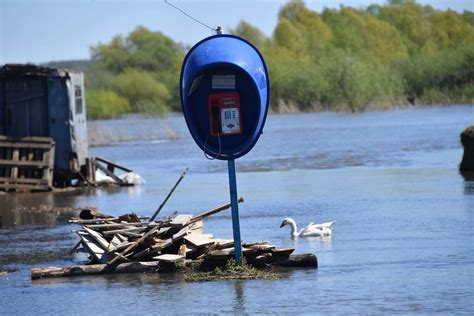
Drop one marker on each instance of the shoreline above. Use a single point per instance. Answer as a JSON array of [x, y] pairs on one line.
[[157, 128]]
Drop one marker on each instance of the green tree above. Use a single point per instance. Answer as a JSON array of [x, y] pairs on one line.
[[287, 38], [143, 52], [362, 34], [142, 91], [251, 34], [312, 34], [142, 49], [450, 29], [468, 16], [411, 19]]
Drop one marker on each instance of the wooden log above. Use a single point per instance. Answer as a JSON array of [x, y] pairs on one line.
[[212, 212], [104, 221], [94, 269], [165, 263], [79, 221], [152, 218], [306, 260], [106, 226], [124, 230]]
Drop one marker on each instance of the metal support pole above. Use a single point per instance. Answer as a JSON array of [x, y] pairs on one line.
[[235, 211]]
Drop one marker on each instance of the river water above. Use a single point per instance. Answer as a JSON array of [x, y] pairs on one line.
[[403, 241]]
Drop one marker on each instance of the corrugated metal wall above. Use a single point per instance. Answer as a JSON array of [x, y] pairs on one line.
[[26, 107]]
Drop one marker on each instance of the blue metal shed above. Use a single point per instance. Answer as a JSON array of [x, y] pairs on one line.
[[48, 102]]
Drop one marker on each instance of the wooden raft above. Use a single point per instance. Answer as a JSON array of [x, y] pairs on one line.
[[26, 164]]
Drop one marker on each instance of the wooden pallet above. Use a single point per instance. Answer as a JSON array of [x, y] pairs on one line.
[[26, 164]]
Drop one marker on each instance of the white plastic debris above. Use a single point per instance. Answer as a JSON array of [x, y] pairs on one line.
[[132, 178]]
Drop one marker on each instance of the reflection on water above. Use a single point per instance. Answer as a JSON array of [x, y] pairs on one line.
[[239, 301], [52, 208], [35, 208], [469, 187]]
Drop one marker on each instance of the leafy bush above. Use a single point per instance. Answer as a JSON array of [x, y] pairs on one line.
[[103, 104], [444, 70]]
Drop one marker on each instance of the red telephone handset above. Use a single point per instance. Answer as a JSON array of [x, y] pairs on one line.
[[224, 114]]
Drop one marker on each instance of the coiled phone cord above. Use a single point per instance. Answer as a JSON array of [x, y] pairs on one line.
[[220, 148]]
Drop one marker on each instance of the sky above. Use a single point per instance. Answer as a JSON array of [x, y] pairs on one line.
[[53, 30]]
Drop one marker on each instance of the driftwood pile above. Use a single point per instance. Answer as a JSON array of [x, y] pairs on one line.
[[176, 243]]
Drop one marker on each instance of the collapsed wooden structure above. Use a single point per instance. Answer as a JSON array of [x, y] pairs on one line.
[[176, 243], [108, 167], [26, 163]]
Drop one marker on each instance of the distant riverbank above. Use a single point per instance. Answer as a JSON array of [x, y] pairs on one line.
[[167, 127]]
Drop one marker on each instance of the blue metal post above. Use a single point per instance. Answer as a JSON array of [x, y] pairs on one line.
[[235, 211]]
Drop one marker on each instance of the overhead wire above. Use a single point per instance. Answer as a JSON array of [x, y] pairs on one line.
[[217, 29]]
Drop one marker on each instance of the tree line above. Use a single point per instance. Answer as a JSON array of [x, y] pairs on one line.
[[340, 59]]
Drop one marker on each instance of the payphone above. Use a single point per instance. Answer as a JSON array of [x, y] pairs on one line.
[[224, 114], [224, 89]]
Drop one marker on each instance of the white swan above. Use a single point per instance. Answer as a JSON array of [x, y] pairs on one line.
[[312, 230]]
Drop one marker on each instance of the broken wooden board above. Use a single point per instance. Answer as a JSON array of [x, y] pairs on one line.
[[179, 235], [226, 252], [200, 240], [133, 230], [168, 257], [263, 242], [119, 247], [223, 243], [169, 262], [197, 227], [283, 251], [116, 241], [93, 247], [181, 220], [162, 243], [98, 237]]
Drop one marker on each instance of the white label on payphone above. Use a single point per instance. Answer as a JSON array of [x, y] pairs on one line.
[[230, 120]]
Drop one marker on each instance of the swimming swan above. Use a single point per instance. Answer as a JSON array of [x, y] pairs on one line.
[[312, 230]]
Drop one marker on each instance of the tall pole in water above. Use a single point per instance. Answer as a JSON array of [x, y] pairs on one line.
[[235, 211]]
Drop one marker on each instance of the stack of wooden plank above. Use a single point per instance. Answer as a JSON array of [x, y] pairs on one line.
[[176, 243], [112, 241]]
